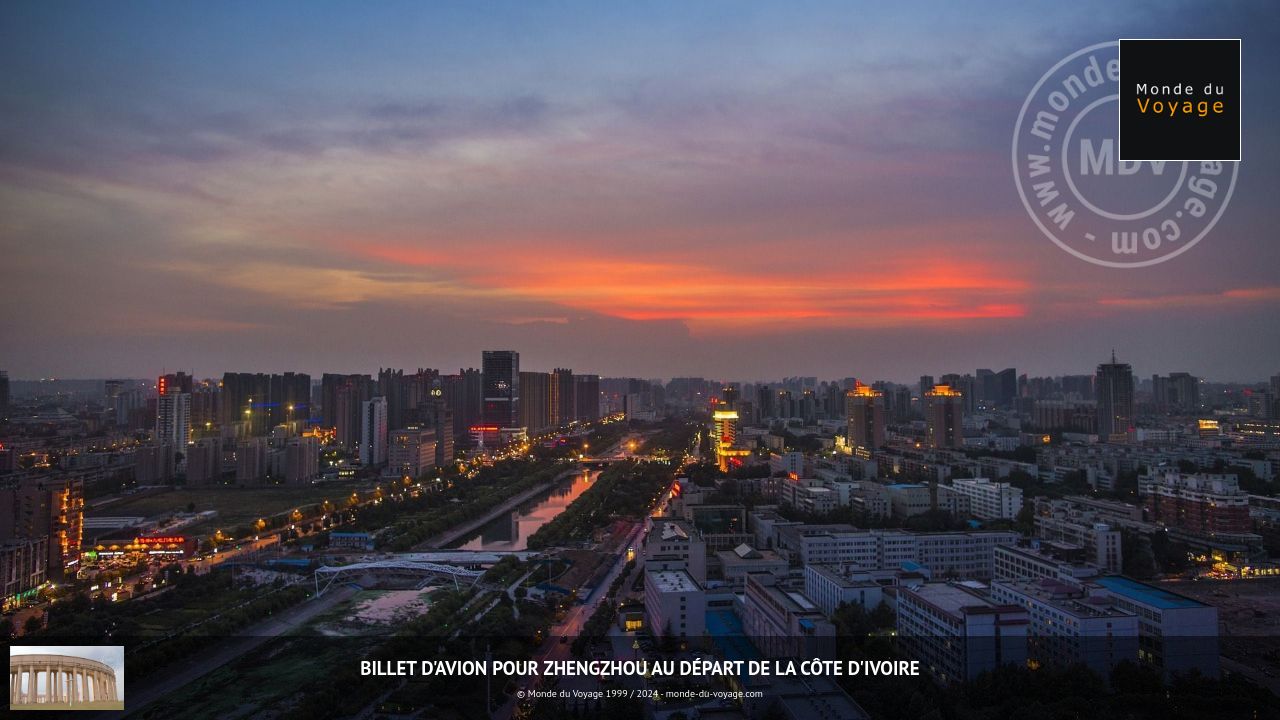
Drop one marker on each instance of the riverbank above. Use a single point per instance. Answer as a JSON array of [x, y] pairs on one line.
[[471, 527]]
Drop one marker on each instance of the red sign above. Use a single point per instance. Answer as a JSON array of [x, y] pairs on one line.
[[162, 540]]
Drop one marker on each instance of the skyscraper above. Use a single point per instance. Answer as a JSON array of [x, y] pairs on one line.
[[586, 397], [535, 401], [462, 395], [4, 389], [342, 398], [262, 401], [392, 386], [1114, 390], [561, 397], [1273, 412], [173, 417], [1177, 393], [865, 408], [944, 415], [500, 370], [373, 432]]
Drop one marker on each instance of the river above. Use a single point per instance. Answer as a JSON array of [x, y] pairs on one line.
[[512, 531]]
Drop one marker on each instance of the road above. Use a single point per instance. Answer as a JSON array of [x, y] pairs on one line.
[[180, 674], [571, 626]]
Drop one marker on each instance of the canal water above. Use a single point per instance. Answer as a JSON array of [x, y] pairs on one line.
[[512, 531]]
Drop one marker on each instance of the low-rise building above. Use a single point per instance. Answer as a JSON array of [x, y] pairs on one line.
[[1072, 623], [676, 545], [956, 632], [1175, 633], [829, 588], [782, 622], [989, 500], [675, 604], [734, 565], [1037, 559]]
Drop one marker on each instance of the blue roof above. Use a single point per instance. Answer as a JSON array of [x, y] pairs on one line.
[[905, 485], [725, 629], [1147, 594]]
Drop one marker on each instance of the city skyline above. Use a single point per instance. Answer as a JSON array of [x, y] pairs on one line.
[[1140, 376], [716, 191]]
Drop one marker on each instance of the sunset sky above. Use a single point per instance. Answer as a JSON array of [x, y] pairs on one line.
[[716, 188]]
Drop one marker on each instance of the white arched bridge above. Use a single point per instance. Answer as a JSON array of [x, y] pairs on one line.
[[393, 570]]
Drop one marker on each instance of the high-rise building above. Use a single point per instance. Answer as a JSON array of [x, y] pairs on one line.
[[561, 397], [49, 507], [462, 394], [263, 401], [126, 404], [341, 399], [586, 394], [535, 401], [1114, 389], [251, 460], [173, 418], [4, 389], [944, 416], [206, 397], [204, 462], [392, 386], [301, 460], [437, 416], [1177, 393], [926, 384], [1006, 386], [1272, 410], [501, 373], [725, 426], [866, 412], [373, 432], [411, 452]]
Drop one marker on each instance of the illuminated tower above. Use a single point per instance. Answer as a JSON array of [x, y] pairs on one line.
[[173, 415], [865, 408], [944, 413], [724, 436], [500, 370], [562, 405]]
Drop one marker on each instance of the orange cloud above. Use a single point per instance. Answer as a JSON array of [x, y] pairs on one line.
[[1233, 296], [710, 292]]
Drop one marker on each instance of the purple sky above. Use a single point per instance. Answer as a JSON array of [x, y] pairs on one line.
[[723, 190]]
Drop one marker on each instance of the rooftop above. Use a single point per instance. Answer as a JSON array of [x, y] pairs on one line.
[[1147, 594], [671, 581], [953, 599]]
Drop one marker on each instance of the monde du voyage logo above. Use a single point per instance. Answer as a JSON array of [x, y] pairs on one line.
[[1178, 170]]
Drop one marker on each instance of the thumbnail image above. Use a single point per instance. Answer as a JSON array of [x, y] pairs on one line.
[[66, 677]]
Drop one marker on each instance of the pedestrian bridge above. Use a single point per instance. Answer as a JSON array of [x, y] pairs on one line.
[[398, 572]]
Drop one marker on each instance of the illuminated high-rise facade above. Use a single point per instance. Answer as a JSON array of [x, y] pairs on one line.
[[562, 400], [865, 409], [944, 416], [500, 393]]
